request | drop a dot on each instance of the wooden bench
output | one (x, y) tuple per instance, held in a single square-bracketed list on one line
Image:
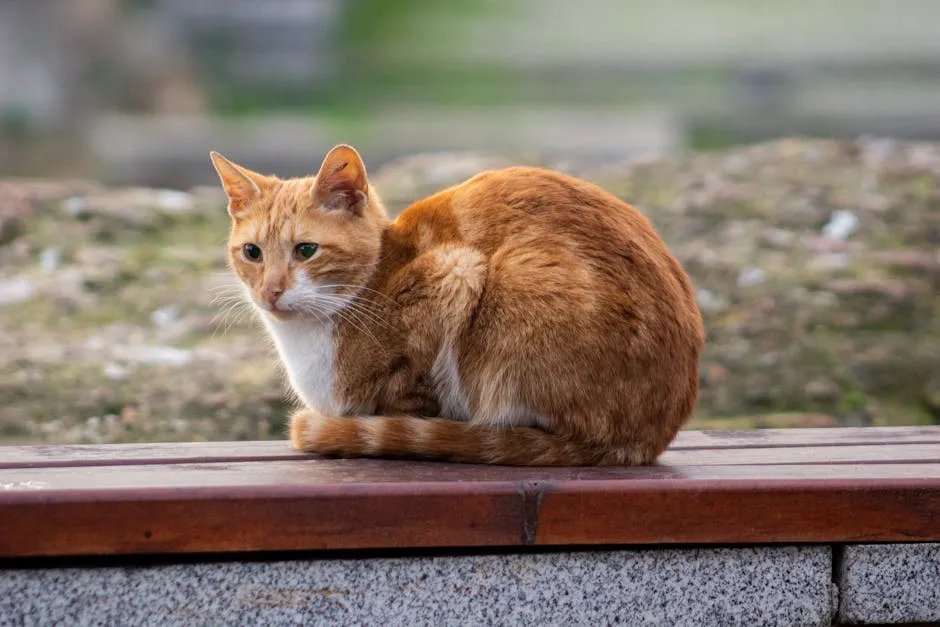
[(830, 493)]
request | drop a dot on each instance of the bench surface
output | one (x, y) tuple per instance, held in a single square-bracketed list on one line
[(710, 487)]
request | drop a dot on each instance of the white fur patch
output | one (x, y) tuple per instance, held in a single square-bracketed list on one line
[(305, 344), (307, 349), (450, 396)]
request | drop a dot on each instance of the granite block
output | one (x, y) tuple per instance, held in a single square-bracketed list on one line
[(890, 584), (729, 586)]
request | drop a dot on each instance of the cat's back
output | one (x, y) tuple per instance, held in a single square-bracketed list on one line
[(552, 235), (544, 210), (522, 200), (542, 205)]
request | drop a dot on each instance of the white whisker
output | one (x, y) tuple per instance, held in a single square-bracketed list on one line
[(341, 304), (351, 317), (229, 316), (359, 288)]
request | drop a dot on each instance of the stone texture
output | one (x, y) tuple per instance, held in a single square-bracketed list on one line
[(747, 586), (890, 583)]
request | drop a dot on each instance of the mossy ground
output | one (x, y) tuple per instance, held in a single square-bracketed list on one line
[(109, 331)]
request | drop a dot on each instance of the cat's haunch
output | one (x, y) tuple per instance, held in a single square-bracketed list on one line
[(522, 317)]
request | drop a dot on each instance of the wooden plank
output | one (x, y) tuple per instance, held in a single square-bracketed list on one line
[(746, 511), (244, 520), (360, 504), (274, 450), (54, 455), (224, 452), (778, 438), (313, 473), (316, 472), (858, 454)]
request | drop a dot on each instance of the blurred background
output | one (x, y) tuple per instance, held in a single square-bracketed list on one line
[(139, 90), (784, 150)]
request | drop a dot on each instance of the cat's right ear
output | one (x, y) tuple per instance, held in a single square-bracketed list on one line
[(341, 183), (241, 185)]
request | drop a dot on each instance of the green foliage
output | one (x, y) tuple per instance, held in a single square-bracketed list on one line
[(15, 122), (853, 401)]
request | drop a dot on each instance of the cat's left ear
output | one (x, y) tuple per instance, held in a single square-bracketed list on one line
[(341, 182), (241, 185)]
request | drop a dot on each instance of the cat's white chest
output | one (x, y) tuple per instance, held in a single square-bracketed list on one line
[(308, 352)]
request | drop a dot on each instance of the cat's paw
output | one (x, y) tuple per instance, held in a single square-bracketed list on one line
[(304, 426)]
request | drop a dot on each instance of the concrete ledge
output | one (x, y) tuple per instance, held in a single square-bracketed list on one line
[(746, 586), (890, 583)]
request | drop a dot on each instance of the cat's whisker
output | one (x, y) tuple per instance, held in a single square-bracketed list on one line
[(229, 311), (361, 300), (228, 302), (223, 300), (351, 318), (371, 315), (225, 293), (229, 316), (362, 288), (348, 317), (365, 306), (341, 304), (321, 316), (236, 306), (364, 317)]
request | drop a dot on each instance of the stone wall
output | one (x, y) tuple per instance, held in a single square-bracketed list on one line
[(781, 585)]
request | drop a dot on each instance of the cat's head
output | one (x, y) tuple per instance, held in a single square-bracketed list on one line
[(303, 247)]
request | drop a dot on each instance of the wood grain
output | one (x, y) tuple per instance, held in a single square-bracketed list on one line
[(855, 454), (274, 450), (274, 519), (777, 438), (316, 473), (746, 511), (51, 455)]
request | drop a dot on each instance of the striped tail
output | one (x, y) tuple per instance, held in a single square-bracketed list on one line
[(447, 440)]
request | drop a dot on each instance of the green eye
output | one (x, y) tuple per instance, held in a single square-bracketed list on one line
[(305, 251), (252, 252)]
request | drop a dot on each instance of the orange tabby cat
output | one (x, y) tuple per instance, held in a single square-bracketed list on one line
[(522, 317)]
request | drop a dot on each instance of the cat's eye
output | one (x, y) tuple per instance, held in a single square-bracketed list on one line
[(305, 251), (252, 252)]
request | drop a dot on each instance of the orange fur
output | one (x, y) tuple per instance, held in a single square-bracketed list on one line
[(522, 317)]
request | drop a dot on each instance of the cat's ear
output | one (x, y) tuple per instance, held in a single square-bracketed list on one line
[(241, 185), (341, 182)]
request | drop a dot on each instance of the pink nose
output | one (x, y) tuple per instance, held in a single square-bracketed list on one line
[(270, 296)]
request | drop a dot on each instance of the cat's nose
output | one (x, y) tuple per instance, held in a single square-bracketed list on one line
[(271, 296)]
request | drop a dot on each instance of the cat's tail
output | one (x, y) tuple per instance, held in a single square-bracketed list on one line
[(448, 440)]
